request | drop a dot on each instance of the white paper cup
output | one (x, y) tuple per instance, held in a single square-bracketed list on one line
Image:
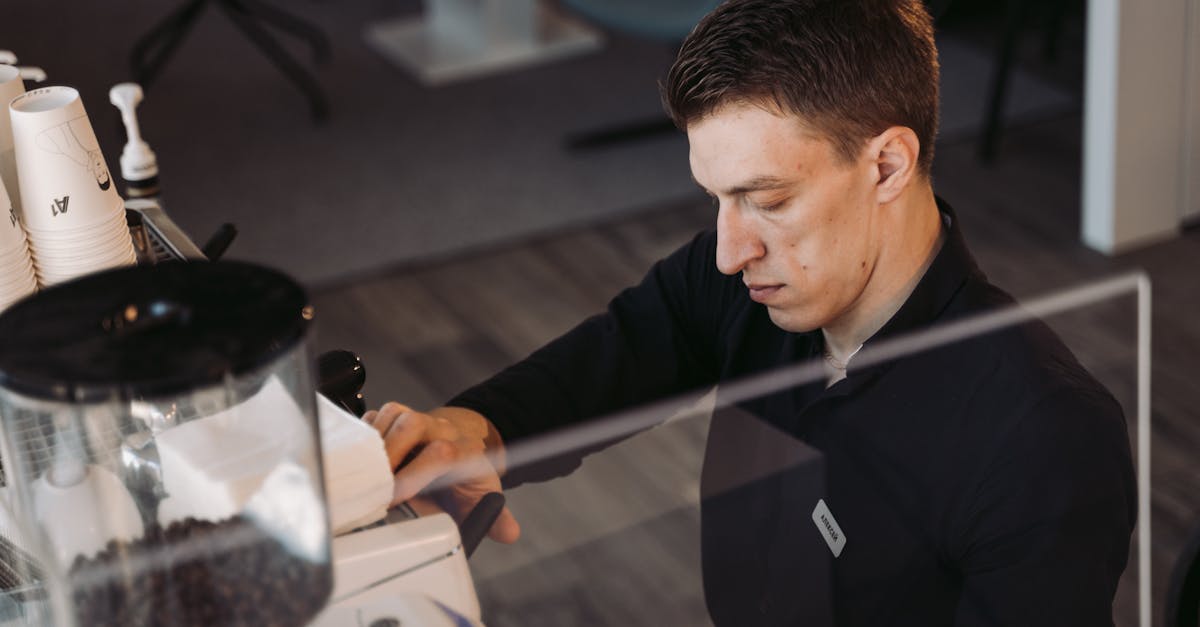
[(14, 272), (63, 260), (64, 180), (109, 236), (72, 262), (53, 273), (99, 239), (11, 86), (84, 256), (9, 303), (42, 241), (18, 282), (14, 261), (12, 236), (19, 245), (112, 223), (18, 290), (58, 258), (22, 283), (15, 257), (17, 278)]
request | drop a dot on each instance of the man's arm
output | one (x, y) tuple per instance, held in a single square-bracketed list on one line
[(655, 340), (1047, 536)]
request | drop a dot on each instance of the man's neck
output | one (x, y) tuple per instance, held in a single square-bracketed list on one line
[(916, 237)]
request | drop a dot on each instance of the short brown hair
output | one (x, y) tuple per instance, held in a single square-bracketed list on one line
[(849, 68)]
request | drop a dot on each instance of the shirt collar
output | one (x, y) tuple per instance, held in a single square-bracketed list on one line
[(950, 269)]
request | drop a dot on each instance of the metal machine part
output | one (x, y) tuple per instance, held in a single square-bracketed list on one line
[(164, 240)]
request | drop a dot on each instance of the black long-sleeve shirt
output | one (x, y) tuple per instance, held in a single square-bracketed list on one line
[(985, 482)]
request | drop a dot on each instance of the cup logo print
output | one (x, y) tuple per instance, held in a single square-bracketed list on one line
[(63, 139)]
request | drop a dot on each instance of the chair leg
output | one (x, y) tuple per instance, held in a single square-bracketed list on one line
[(152, 51), (292, 25), (279, 56), (992, 120), (1054, 26)]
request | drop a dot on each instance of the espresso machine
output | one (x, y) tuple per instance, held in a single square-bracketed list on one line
[(164, 458), (391, 563)]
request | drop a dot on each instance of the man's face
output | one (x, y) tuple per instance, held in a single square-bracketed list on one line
[(797, 221)]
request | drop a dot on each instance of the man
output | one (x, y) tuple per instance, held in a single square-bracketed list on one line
[(984, 483)]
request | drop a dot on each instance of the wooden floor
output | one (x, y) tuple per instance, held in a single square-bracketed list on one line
[(617, 544)]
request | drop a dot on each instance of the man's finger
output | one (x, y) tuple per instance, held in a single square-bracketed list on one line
[(460, 502), (432, 462), (506, 529), (403, 435), (474, 478), (382, 419)]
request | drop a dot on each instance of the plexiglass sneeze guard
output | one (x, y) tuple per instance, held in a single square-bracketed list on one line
[(713, 506)]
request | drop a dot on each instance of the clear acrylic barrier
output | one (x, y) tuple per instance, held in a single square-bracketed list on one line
[(618, 541)]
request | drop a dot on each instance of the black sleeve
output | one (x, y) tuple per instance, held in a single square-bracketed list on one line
[(656, 340), (1049, 532)]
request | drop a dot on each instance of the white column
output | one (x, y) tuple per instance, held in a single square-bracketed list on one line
[(1191, 124), (1135, 139)]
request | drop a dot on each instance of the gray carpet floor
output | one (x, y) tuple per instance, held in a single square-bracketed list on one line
[(400, 172)]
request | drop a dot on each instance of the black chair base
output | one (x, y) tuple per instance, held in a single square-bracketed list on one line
[(1018, 15), (152, 51)]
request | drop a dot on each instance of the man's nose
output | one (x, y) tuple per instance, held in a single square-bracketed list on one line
[(737, 244)]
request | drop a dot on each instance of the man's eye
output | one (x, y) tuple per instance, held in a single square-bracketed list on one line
[(770, 206)]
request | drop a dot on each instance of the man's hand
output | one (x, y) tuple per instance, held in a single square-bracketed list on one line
[(445, 449)]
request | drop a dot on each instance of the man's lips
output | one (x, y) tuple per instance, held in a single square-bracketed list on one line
[(762, 292)]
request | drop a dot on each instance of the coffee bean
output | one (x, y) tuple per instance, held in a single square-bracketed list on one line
[(258, 582)]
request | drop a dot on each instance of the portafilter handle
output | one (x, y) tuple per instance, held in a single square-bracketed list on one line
[(476, 525)]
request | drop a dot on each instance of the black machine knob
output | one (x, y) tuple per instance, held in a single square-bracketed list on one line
[(340, 377)]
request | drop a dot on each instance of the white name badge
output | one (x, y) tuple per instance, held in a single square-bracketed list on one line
[(829, 528)]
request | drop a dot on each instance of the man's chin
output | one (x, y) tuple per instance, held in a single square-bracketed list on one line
[(792, 322)]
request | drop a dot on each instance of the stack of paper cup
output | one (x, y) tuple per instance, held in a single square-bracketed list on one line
[(11, 86), (73, 215), (17, 279)]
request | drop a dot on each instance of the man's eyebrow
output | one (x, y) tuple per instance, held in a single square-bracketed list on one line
[(755, 184)]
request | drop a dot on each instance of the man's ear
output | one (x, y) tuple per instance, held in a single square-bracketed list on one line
[(894, 155)]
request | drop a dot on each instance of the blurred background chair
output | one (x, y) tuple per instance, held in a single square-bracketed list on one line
[(1017, 16), (153, 50), (670, 21), (667, 21)]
